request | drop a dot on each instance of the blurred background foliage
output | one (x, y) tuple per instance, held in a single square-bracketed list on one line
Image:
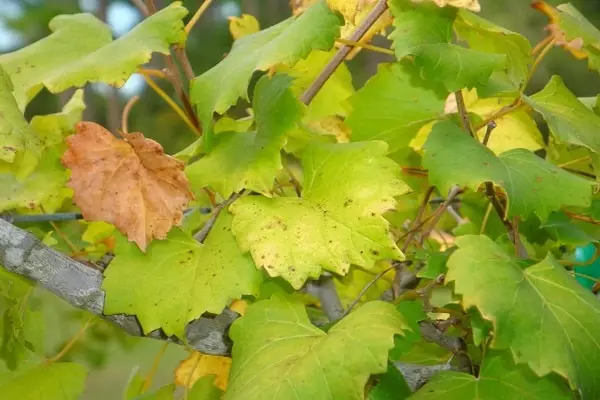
[(113, 356)]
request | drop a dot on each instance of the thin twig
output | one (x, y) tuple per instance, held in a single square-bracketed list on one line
[(150, 375), (416, 225), (583, 218), (141, 6), (343, 52), (126, 111), (181, 55), (488, 132), (462, 111), (366, 46), (366, 288), (172, 74), (203, 233), (454, 191), (486, 218), (171, 103), (197, 15), (72, 341), (543, 53)]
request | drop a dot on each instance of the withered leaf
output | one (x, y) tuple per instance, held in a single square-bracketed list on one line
[(129, 183)]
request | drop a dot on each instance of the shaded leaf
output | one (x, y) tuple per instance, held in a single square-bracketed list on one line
[(498, 379), (242, 160), (531, 184), (178, 279), (570, 121), (390, 386), (279, 354), (536, 322), (204, 389), (129, 183), (57, 381), (393, 105), (337, 222), (287, 42)]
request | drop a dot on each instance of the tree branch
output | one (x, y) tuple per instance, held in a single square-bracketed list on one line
[(325, 290), (80, 285), (343, 52)]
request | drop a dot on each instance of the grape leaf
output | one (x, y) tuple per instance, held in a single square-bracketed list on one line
[(251, 160), (337, 222), (483, 35), (498, 379), (279, 354), (330, 100), (393, 105), (573, 31), (178, 278), (532, 184), (81, 50), (537, 323), (43, 187), (242, 26), (569, 120), (390, 386), (199, 365), (164, 393), (204, 389), (56, 381), (129, 183), (287, 42), (424, 31), (472, 5), (53, 128), (20, 147)]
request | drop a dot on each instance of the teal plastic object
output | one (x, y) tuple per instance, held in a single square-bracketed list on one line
[(585, 254)]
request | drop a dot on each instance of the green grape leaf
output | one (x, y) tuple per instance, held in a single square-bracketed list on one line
[(56, 381), (425, 31), (532, 184), (337, 222), (178, 279), (330, 99), (498, 379), (570, 121), (20, 147), (393, 105), (80, 50), (166, 392), (53, 128), (549, 322), (43, 187), (242, 160), (279, 354), (483, 35), (22, 324), (287, 42), (204, 389)]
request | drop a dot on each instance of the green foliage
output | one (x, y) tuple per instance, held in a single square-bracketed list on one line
[(299, 204), (279, 354)]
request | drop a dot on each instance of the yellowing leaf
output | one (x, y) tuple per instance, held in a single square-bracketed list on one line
[(239, 306), (472, 5), (129, 183), (198, 365), (242, 26)]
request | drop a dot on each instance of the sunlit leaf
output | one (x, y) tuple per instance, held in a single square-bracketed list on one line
[(242, 26), (199, 365)]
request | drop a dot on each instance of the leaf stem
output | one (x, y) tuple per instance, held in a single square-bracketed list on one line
[(437, 215), (486, 218), (343, 52), (416, 225), (72, 341), (148, 378), (462, 111), (171, 103), (366, 46), (125, 115), (541, 45), (488, 132), (543, 53), (197, 15)]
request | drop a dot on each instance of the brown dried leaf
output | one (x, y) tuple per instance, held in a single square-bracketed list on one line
[(129, 183), (198, 365)]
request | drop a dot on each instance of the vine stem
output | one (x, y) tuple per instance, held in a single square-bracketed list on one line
[(366, 288), (170, 102), (126, 111), (543, 53), (452, 193), (343, 52), (190, 25), (366, 46), (72, 341), (150, 376)]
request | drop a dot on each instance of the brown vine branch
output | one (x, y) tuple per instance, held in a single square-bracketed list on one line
[(343, 52)]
